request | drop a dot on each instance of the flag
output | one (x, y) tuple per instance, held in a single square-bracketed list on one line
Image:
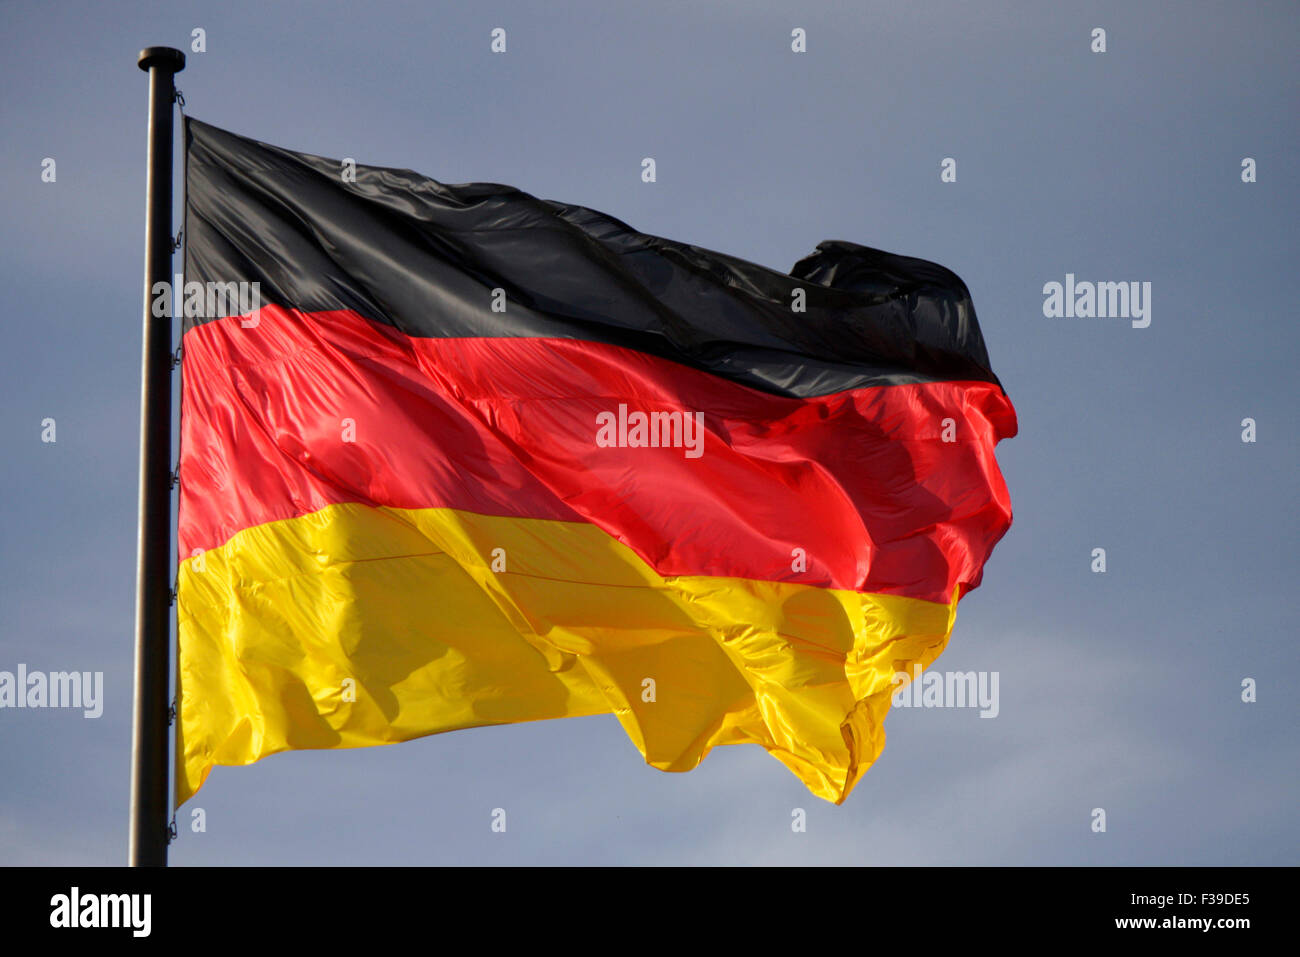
[(454, 456)]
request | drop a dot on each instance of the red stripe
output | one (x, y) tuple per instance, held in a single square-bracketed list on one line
[(861, 481)]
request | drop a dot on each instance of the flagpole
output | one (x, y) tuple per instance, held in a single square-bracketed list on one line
[(153, 598)]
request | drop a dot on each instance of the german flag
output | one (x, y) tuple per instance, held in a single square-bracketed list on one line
[(472, 458)]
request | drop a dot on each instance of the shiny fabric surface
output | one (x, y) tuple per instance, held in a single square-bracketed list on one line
[(416, 496)]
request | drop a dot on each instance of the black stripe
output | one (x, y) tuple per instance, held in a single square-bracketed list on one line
[(423, 256)]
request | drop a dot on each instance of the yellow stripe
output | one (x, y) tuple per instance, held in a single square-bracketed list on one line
[(406, 604)]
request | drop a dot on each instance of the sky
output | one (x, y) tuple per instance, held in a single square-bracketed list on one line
[(1120, 691)]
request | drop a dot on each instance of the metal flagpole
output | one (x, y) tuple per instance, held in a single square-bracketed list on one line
[(149, 737)]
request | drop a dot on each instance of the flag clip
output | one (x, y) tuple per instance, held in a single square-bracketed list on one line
[(171, 712), (180, 99), (171, 829), (176, 357), (171, 596), (176, 240), (173, 479)]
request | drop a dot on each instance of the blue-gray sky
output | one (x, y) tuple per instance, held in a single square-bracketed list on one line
[(1119, 690)]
